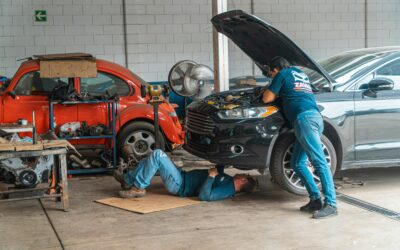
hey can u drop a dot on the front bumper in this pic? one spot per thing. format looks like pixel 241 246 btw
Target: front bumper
pixel 216 140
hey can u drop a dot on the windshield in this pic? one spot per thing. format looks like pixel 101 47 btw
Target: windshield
pixel 342 67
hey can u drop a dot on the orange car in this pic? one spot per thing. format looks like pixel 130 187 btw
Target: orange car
pixel 27 91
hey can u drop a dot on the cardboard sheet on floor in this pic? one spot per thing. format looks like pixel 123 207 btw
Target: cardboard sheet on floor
pixel 154 201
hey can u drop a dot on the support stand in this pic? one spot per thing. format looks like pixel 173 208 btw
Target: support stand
pixel 155 101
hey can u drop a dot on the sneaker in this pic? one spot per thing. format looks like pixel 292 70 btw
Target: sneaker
pixel 133 192
pixel 312 206
pixel 325 212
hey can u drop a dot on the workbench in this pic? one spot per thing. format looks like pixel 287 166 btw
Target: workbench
pixel 58 188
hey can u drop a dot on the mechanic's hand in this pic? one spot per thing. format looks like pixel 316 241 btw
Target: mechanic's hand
pixel 258 94
pixel 212 172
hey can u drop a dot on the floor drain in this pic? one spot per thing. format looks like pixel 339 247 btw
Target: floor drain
pixel 368 206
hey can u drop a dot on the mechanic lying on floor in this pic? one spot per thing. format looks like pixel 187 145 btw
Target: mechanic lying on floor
pixel 208 185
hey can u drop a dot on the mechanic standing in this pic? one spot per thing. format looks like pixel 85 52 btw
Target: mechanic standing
pixel 299 107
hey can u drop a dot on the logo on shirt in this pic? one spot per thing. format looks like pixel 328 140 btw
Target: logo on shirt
pixel 301 82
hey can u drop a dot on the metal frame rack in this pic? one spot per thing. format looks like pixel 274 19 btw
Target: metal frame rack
pixel 111 113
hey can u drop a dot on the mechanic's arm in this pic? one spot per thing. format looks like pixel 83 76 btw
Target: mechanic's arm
pixel 268 96
pixel 208 193
pixel 271 93
pixel 206 189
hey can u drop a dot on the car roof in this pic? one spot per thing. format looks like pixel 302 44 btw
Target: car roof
pixel 377 55
pixel 32 64
pixel 374 50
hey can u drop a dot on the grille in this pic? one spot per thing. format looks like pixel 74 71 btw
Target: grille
pixel 199 123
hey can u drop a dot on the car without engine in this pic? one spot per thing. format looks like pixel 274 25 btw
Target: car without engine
pixel 28 91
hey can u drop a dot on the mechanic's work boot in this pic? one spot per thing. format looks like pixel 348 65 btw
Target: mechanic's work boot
pixel 133 192
pixel 312 206
pixel 325 212
pixel 119 176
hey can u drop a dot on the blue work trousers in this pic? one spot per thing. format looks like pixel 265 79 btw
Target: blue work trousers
pixel 308 128
pixel 141 176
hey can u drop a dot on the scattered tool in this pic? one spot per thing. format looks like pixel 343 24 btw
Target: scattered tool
pixel 82 162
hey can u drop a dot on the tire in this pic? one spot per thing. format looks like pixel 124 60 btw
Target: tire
pixel 283 174
pixel 140 135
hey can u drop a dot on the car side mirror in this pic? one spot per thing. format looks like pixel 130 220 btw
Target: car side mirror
pixel 381 83
pixel 143 91
pixel 377 84
pixel 12 94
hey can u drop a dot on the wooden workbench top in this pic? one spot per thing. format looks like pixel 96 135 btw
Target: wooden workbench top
pixel 26 146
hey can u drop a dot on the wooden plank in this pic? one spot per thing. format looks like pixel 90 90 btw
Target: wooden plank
pixel 29 147
pixel 3 141
pixel 64 181
pixel 21 146
pixel 68 68
pixel 7 147
pixel 55 144
pixel 152 202
pixel 14 154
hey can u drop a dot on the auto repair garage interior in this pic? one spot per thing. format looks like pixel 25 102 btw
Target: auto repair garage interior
pixel 86 83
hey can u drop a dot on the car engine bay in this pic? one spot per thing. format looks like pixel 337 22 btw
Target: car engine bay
pixel 238 98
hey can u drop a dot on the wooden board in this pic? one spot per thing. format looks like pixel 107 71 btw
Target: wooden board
pixel 152 202
pixel 26 146
pixel 29 147
pixel 2 140
pixel 68 68
pixel 55 144
pixel 7 147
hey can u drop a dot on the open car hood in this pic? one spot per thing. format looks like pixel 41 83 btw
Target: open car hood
pixel 261 42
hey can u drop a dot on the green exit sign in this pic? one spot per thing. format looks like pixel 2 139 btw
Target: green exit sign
pixel 40 16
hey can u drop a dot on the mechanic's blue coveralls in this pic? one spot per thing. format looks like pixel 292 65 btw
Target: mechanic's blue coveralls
pixel 293 87
pixel 178 182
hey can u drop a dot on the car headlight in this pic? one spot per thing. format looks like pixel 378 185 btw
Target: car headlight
pixel 247 113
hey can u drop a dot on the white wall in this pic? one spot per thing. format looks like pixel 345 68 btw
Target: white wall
pixel 383 22
pixel 72 25
pixel 162 32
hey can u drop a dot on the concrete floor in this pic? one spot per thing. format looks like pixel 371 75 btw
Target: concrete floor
pixel 268 219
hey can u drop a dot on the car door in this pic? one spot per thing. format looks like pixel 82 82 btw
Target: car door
pixel 100 87
pixel 32 94
pixel 377 118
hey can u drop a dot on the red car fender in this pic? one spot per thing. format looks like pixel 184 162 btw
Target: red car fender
pixel 145 112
